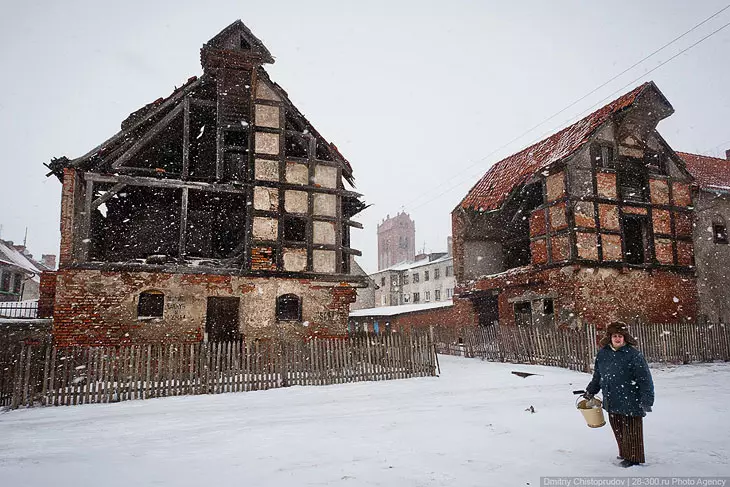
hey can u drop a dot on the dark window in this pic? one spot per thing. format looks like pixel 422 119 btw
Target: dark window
pixel 547 307
pixel 428 296
pixel 523 313
pixel 244 44
pixel 655 162
pixel 437 273
pixel 288 308
pixel 382 281
pixel 425 275
pixel 416 278
pixel 632 181
pixel 151 304
pixel 5 281
pixel 719 232
pixel 603 156
pixel 405 278
pixel 635 238
pixel 416 297
pixel 437 295
pixel 449 271
pixel 221 320
pixel 295 229
pixel 296 145
pixel 17 283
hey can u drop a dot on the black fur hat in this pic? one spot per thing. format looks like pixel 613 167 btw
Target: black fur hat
pixel 618 327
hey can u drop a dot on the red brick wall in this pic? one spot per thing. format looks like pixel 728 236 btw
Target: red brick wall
pixel 68 196
pixel 47 290
pixel 600 295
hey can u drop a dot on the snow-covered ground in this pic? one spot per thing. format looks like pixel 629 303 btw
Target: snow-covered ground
pixel 468 427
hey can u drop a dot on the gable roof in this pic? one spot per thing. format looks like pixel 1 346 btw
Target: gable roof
pixel 709 172
pixel 10 256
pixel 504 176
pixel 238 27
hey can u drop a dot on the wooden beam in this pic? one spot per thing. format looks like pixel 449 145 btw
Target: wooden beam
pixel 158 127
pixel 164 183
pixel 186 138
pixel 108 195
pixel 86 222
pixel 183 222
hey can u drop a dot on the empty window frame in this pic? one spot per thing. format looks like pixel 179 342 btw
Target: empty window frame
pixel 602 154
pixel 523 313
pixel 632 181
pixel 289 308
pixel 719 233
pixel 635 239
pixel 295 229
pixel 151 304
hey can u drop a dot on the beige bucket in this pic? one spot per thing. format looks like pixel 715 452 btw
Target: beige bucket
pixel 592 415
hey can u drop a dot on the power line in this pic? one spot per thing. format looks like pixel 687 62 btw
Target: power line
pixel 462 180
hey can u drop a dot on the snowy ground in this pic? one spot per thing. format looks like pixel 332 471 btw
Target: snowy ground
pixel 467 428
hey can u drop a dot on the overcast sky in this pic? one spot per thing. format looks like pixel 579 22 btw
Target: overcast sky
pixel 418 95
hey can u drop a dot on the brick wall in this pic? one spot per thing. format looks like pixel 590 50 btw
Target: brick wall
pixel 68 197
pixel 100 308
pixel 47 296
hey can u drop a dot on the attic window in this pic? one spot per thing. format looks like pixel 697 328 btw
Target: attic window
pixel 655 162
pixel 602 154
pixel 244 44
pixel 151 304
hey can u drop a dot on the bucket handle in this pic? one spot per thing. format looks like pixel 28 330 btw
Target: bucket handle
pixel 580 397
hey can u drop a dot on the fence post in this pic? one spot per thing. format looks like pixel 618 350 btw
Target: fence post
pixel 283 364
pixel 432 347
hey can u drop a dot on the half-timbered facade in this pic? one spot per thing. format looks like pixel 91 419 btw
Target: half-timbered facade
pixel 592 224
pixel 215 212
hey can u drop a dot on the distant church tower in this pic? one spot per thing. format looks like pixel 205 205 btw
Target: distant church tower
pixel 396 240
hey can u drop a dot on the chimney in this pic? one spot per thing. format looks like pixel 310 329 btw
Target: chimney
pixel 727 154
pixel 49 260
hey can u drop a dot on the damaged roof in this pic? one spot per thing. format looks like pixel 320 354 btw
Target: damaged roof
pixel 709 172
pixel 503 177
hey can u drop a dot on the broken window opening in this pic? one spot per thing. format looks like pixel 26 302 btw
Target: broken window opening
pixel 635 238
pixel 288 308
pixel 323 152
pixel 656 162
pixel 151 304
pixel 293 123
pixel 244 44
pixel 516 237
pixel 523 313
pixel 516 253
pixel 719 233
pixel 234 166
pixel 632 180
pixel 296 145
pixel 216 225
pixel 487 309
pixel 164 152
pixel 295 229
pixel 202 146
pixel 136 223
pixel 602 154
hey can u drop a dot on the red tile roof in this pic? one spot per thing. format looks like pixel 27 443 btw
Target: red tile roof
pixel 709 172
pixel 496 185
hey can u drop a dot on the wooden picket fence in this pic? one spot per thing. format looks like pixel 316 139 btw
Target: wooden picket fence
pixel 576 349
pixel 47 375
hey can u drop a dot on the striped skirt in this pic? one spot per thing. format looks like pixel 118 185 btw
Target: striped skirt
pixel 629 433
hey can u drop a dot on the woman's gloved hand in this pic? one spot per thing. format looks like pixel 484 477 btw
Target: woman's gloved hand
pixel 588 396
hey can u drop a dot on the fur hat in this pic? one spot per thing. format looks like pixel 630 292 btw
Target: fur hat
pixel 617 327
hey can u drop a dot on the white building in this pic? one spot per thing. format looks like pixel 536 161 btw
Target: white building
pixel 428 279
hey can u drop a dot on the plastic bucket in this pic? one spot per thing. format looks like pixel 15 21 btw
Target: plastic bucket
pixel 593 413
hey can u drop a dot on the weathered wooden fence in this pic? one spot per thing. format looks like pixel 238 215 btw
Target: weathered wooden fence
pixel 47 375
pixel 576 349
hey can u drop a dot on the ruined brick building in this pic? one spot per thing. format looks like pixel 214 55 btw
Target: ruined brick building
pixel 216 212
pixel 590 225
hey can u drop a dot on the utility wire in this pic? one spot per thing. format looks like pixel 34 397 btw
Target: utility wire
pixel 462 180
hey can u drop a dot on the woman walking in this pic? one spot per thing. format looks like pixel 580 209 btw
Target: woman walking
pixel 622 373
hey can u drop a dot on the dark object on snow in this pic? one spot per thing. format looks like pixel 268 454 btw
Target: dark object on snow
pixel 523 374
pixel 626 463
pixel 531 409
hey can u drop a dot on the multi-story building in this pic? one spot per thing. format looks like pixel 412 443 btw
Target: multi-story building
pixel 396 240
pixel 216 212
pixel 592 224
pixel 425 280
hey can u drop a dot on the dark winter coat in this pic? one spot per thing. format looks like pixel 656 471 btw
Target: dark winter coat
pixel 623 376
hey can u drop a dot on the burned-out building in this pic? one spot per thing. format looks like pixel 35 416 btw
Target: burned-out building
pixel 590 225
pixel 216 212
pixel 711 196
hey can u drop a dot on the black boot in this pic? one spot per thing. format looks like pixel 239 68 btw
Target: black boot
pixel 627 463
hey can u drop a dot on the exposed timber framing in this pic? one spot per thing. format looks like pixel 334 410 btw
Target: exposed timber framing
pixel 148 136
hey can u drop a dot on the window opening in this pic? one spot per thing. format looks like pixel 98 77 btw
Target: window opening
pixel 523 313
pixel 635 238
pixel 295 229
pixel 632 181
pixel 151 304
pixel 416 297
pixel 425 275
pixel 288 308
pixel 719 232
pixel 222 319
pixel 603 156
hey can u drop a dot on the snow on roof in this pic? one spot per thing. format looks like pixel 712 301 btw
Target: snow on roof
pixel 399 310
pixel 411 264
pixel 10 256
pixel 496 185
pixel 711 173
